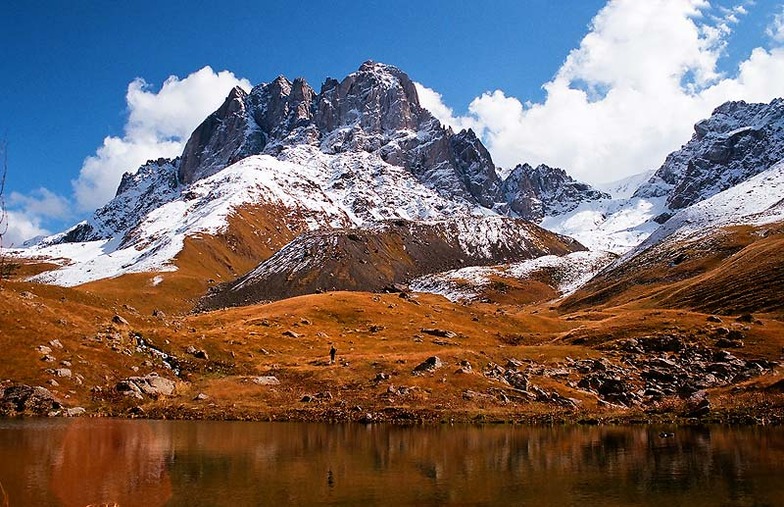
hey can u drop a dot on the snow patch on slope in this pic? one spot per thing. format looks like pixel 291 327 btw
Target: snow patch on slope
pixel 569 272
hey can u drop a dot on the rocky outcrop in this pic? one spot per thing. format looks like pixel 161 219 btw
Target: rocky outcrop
pixel 21 399
pixel 227 135
pixel 152 386
pixel 738 141
pixel 533 193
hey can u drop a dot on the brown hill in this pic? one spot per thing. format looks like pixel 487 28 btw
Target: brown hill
pixel 733 270
pixel 376 258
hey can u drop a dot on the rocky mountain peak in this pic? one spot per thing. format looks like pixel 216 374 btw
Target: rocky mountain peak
pixel 535 192
pixel 738 141
pixel 218 140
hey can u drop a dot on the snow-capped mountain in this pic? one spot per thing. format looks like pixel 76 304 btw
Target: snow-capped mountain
pixel 533 193
pixel 721 254
pixel 360 152
pixel 737 142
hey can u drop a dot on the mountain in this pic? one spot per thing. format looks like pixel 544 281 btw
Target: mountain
pixel 721 254
pixel 359 153
pixel 533 193
pixel 386 255
pixel 738 141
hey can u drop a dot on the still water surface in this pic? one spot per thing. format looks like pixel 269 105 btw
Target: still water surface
pixel 191 463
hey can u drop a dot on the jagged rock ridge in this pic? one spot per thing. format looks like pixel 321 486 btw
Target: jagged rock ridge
pixel 533 193
pixel 738 141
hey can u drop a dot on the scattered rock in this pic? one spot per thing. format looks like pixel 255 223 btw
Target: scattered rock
pixel 698 405
pixel 429 365
pixel 158 314
pixel 48 359
pixel 746 317
pixel 728 343
pixel 201 354
pixel 307 399
pixel 375 328
pixel 26 295
pixel 381 376
pixel 473 395
pixel 201 397
pixel 266 380
pixel 74 412
pixel 117 319
pixel 441 333
pixel 465 367
pixel 63 372
pixel 43 349
pixel 713 318
pixel 291 334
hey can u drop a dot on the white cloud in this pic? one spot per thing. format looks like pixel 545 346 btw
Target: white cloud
pixel 159 124
pixel 41 203
pixel 629 94
pixel 20 228
pixel 433 102
pixel 775 29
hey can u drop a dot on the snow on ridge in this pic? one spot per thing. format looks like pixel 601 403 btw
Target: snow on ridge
pixel 328 191
pixel 757 201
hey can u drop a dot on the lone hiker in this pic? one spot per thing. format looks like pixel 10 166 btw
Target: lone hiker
pixel 332 352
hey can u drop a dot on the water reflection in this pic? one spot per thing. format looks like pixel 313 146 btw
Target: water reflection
pixel 111 461
pixel 219 463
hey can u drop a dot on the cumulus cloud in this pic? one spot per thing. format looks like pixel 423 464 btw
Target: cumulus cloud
pixel 159 123
pixel 629 94
pixel 434 102
pixel 19 227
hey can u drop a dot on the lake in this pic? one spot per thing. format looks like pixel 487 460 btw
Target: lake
pixel 190 463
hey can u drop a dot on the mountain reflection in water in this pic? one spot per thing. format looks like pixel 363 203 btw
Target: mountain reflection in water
pixel 155 463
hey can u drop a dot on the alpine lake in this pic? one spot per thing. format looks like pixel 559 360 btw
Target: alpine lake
pixel 80 462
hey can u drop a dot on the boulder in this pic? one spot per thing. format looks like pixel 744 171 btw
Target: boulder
pixel 150 385
pixel 266 380
pixel 429 365
pixel 22 399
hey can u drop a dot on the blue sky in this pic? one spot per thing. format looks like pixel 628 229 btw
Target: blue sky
pixel 501 67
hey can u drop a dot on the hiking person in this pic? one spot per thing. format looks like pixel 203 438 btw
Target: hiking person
pixel 332 352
